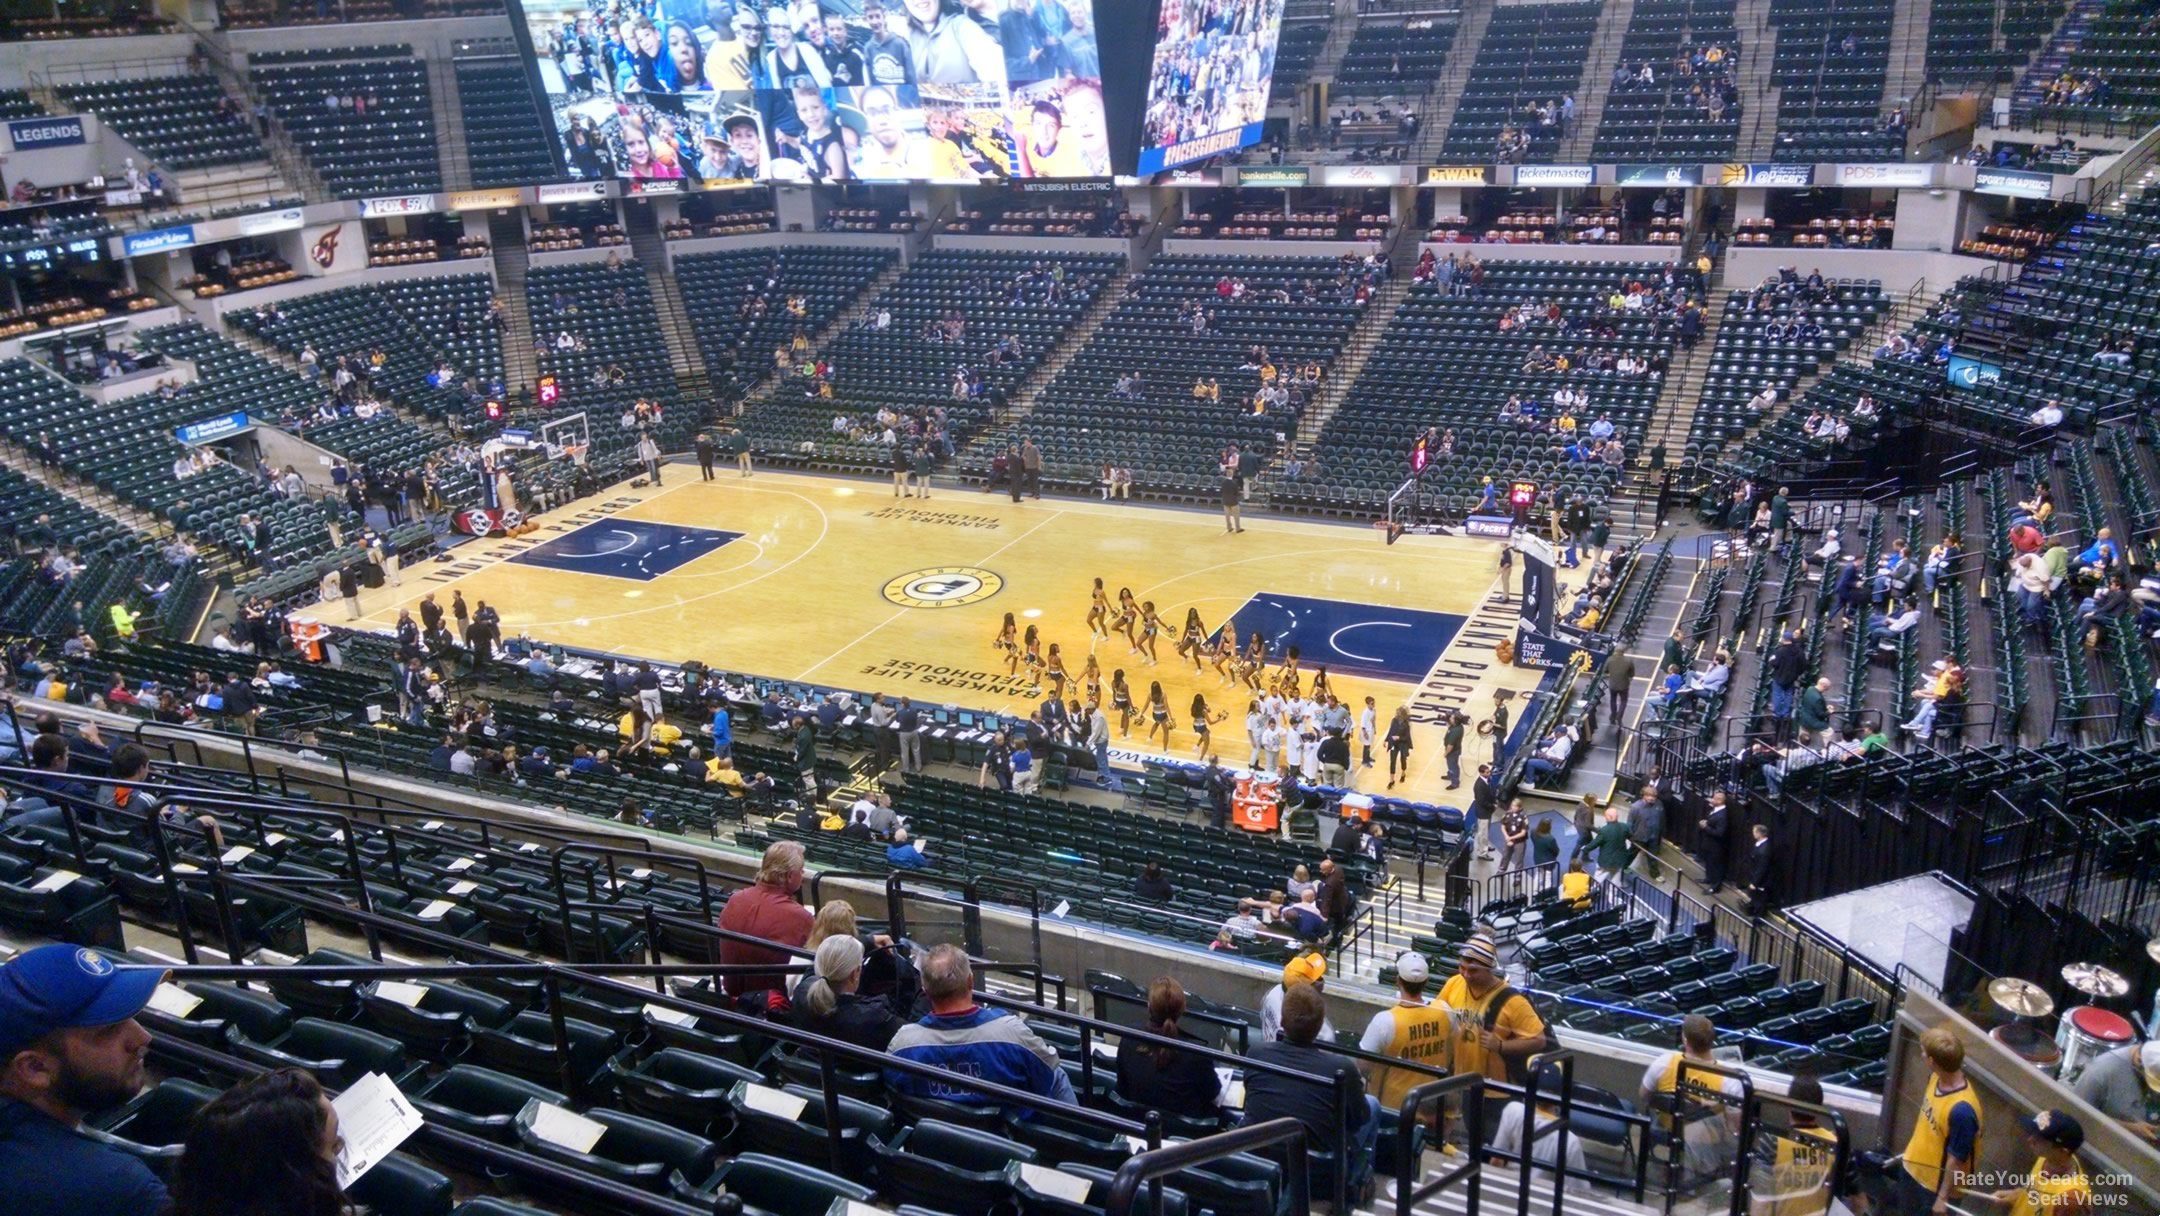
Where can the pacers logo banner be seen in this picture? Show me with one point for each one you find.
(944, 587)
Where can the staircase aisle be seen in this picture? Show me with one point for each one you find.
(684, 355)
(1342, 377)
(1024, 396)
(1908, 52)
(1342, 28)
(1596, 83)
(506, 233)
(823, 338)
(449, 110)
(1447, 91)
(1758, 97)
(1683, 388)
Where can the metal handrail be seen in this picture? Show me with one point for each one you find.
(1150, 1167)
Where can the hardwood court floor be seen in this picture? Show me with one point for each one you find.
(839, 583)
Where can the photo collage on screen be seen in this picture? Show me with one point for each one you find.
(729, 91)
(1208, 89)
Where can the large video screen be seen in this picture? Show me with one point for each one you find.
(1207, 93)
(713, 93)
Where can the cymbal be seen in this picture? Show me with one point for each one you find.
(2092, 979)
(2152, 949)
(2022, 998)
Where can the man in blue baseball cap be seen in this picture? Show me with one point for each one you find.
(70, 1046)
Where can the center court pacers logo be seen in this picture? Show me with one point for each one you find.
(943, 587)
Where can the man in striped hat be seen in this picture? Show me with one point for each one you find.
(1496, 1029)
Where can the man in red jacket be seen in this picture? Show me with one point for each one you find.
(769, 910)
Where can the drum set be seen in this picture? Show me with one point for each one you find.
(2083, 1033)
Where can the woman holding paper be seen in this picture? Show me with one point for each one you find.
(265, 1147)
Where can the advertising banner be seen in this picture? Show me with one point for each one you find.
(1901, 176)
(213, 428)
(2015, 183)
(159, 241)
(45, 133)
(1555, 175)
(1965, 371)
(1455, 175)
(263, 223)
(1660, 175)
(1774, 177)
(571, 192)
(485, 200)
(403, 204)
(1273, 177)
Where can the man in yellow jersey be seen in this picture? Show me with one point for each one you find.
(1415, 1029)
(1800, 1183)
(2057, 1185)
(1496, 1029)
(1708, 1111)
(1945, 1135)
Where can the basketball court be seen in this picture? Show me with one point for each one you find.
(839, 583)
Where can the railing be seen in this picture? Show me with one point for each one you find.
(1149, 1168)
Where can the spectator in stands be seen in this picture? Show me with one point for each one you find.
(1415, 1030)
(1496, 1029)
(961, 1036)
(905, 854)
(1152, 885)
(767, 910)
(1304, 918)
(1311, 1099)
(1160, 1077)
(1885, 630)
(1705, 1104)
(2048, 415)
(69, 1048)
(1706, 685)
(1509, 1135)
(268, 1144)
(1941, 560)
(2099, 558)
(829, 1000)
(1307, 967)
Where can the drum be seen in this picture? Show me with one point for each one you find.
(2086, 1033)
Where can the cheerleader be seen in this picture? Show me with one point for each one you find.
(1098, 616)
(1054, 668)
(1121, 701)
(1091, 682)
(1255, 661)
(1007, 639)
(1194, 643)
(1150, 626)
(1127, 613)
(1320, 688)
(1158, 713)
(1031, 657)
(1288, 681)
(1226, 656)
(1201, 720)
